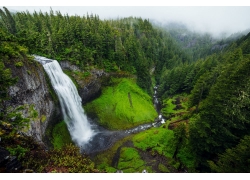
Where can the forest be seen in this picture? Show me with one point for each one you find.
(203, 89)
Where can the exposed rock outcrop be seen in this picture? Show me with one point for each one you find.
(68, 65)
(90, 87)
(34, 94)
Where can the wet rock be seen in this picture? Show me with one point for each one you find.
(4, 156)
(33, 93)
(8, 164)
(119, 171)
(67, 65)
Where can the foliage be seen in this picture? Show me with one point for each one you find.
(223, 117)
(67, 160)
(127, 44)
(18, 151)
(234, 160)
(175, 106)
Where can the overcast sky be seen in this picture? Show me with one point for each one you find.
(210, 17)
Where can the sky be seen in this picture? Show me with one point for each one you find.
(212, 17)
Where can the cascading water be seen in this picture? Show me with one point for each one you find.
(158, 106)
(71, 106)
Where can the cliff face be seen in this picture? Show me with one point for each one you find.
(34, 94)
(89, 87)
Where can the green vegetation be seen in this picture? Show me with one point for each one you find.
(65, 160)
(127, 44)
(130, 161)
(234, 160)
(60, 135)
(19, 64)
(17, 151)
(156, 140)
(122, 106)
(163, 168)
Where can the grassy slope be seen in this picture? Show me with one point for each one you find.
(114, 109)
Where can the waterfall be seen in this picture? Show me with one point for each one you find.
(70, 101)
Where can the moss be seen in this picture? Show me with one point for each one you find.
(43, 118)
(130, 160)
(170, 110)
(163, 168)
(60, 135)
(104, 159)
(29, 73)
(156, 139)
(71, 75)
(174, 163)
(122, 106)
(107, 168)
(19, 64)
(32, 112)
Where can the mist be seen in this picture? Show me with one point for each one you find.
(216, 20)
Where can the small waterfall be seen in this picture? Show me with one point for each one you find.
(73, 113)
(158, 106)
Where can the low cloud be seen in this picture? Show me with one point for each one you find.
(211, 19)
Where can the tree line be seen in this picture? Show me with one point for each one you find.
(128, 44)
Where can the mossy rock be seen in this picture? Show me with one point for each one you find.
(122, 106)
(163, 168)
(61, 136)
(130, 160)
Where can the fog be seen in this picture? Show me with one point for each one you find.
(211, 19)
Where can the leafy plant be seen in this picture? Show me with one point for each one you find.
(18, 151)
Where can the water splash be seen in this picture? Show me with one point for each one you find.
(70, 101)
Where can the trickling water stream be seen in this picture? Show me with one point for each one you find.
(158, 106)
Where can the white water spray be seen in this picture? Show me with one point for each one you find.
(73, 113)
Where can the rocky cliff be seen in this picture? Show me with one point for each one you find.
(34, 94)
(89, 83)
